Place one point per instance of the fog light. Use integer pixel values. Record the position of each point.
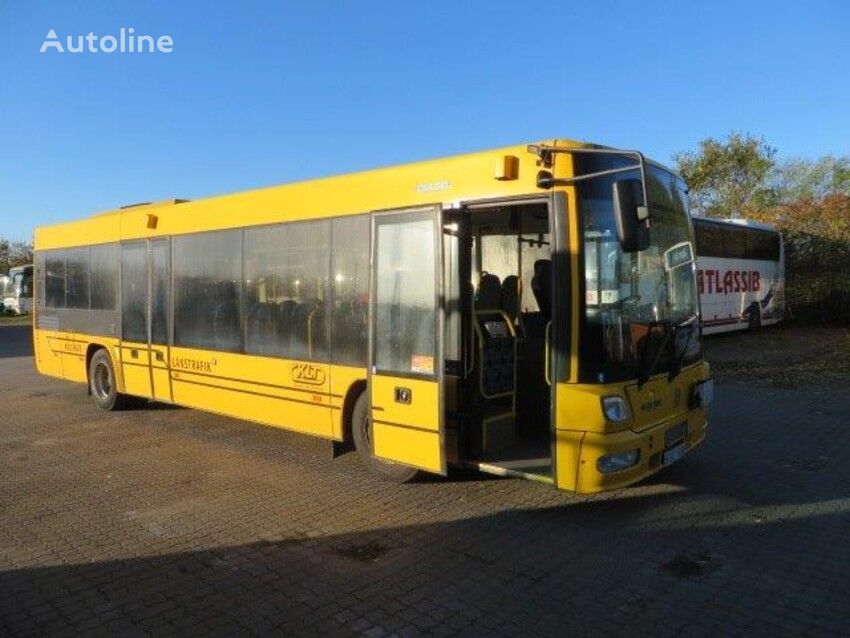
(617, 462)
(616, 409)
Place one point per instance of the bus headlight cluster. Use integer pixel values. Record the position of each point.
(616, 409)
(616, 462)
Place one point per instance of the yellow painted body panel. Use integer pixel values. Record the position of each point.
(407, 432)
(583, 434)
(423, 411)
(48, 361)
(301, 396)
(452, 179)
(418, 448)
(135, 362)
(63, 355)
(291, 394)
(160, 377)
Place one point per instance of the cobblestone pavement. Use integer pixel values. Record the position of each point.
(162, 521)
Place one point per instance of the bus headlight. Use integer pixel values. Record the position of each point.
(616, 409)
(616, 462)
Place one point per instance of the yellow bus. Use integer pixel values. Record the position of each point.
(529, 311)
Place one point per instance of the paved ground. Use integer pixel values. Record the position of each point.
(164, 521)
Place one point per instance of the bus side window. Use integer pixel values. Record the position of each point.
(350, 281)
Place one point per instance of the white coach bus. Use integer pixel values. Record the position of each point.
(740, 274)
(16, 291)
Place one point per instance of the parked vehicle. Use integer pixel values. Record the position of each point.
(17, 290)
(740, 274)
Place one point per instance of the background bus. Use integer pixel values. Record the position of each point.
(740, 274)
(17, 291)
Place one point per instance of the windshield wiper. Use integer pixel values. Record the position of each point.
(644, 371)
(676, 368)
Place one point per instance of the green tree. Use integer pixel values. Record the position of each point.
(802, 179)
(13, 253)
(727, 176)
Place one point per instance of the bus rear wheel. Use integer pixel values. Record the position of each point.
(102, 385)
(361, 432)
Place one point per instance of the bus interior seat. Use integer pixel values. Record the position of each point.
(497, 347)
(489, 293)
(510, 297)
(541, 286)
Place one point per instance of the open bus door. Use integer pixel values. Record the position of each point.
(405, 338)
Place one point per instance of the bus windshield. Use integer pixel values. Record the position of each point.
(640, 309)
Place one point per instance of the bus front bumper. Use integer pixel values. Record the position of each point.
(640, 454)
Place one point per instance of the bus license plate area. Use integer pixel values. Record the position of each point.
(673, 454)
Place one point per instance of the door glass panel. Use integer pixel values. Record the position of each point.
(405, 295)
(159, 287)
(452, 285)
(134, 291)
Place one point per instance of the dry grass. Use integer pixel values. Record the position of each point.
(15, 320)
(785, 356)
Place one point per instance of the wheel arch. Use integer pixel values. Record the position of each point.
(90, 352)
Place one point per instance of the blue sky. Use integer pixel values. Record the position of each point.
(258, 93)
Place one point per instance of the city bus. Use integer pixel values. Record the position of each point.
(529, 311)
(740, 274)
(17, 292)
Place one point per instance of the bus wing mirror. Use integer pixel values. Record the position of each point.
(631, 215)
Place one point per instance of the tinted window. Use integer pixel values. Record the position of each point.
(207, 286)
(26, 283)
(286, 275)
(77, 278)
(159, 291)
(54, 284)
(405, 295)
(134, 291)
(103, 262)
(763, 245)
(350, 270)
(734, 243)
(709, 239)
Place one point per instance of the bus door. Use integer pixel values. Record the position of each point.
(144, 318)
(405, 338)
(158, 334)
(135, 319)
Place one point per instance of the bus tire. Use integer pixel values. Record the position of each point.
(361, 433)
(754, 317)
(102, 385)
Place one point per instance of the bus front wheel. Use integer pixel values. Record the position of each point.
(361, 432)
(102, 385)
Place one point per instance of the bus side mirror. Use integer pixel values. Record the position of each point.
(631, 215)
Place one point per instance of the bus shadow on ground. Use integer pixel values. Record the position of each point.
(15, 341)
(523, 571)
